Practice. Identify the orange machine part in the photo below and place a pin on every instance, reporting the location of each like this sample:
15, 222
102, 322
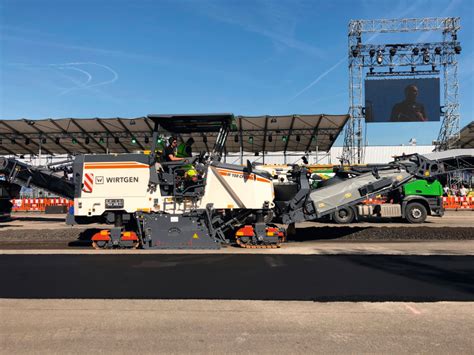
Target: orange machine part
246, 231
274, 231
102, 235
129, 236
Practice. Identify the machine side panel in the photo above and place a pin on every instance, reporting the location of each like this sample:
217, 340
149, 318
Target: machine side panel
103, 181
329, 198
233, 189
168, 231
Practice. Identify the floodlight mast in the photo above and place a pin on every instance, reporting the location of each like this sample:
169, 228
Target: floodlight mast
367, 57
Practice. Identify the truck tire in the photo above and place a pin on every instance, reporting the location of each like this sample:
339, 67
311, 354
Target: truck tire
343, 215
415, 212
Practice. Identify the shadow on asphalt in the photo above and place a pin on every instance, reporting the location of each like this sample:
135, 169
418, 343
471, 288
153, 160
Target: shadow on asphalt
84, 239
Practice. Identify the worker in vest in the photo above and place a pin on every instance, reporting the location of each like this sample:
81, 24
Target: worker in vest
185, 150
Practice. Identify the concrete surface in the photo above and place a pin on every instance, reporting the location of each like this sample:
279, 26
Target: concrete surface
190, 326
445, 247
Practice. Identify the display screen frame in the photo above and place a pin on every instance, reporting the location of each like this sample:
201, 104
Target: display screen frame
402, 100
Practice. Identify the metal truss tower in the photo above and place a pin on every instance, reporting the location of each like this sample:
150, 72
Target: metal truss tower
389, 60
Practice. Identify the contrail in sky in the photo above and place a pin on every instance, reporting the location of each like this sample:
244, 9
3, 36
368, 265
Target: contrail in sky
79, 85
86, 85
321, 76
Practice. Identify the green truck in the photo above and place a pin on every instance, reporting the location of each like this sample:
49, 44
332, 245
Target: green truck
406, 188
413, 202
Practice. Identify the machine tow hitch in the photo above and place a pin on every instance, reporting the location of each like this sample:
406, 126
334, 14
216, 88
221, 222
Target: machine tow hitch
260, 236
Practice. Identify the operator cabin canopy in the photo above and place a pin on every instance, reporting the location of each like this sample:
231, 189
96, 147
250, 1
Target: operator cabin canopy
255, 134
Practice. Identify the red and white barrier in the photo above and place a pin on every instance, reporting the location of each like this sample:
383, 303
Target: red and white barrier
458, 203
38, 204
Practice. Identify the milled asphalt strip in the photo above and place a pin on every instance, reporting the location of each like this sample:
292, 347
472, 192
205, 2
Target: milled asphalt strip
414, 278
465, 247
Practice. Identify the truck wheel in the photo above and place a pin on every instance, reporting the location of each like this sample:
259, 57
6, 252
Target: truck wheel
343, 215
415, 212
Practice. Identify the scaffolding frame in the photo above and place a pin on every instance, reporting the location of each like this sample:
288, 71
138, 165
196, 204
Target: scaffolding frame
424, 58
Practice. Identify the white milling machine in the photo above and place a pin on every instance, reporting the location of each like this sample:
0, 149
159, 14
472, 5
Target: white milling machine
154, 205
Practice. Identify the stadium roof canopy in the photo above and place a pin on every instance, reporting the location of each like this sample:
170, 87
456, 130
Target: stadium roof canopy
466, 139
124, 135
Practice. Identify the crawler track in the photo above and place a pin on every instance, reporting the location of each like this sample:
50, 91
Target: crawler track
243, 244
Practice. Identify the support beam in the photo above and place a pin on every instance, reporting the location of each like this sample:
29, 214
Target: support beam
151, 129
68, 134
24, 136
130, 133
47, 136
241, 141
264, 137
315, 133
6, 149
148, 124
87, 134
289, 133
111, 135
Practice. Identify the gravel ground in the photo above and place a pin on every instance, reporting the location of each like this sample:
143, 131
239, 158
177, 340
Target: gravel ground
382, 233
46, 238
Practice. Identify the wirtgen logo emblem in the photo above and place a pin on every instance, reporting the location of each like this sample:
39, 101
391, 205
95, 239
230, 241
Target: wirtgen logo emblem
99, 180
88, 182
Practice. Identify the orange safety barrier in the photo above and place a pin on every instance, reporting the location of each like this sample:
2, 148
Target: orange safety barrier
38, 204
458, 203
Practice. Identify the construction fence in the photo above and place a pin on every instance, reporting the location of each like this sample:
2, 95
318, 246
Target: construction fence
458, 203
41, 204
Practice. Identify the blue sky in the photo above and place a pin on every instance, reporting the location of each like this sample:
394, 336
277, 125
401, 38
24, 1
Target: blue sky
107, 58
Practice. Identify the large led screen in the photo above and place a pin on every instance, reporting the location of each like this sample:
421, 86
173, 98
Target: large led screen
402, 100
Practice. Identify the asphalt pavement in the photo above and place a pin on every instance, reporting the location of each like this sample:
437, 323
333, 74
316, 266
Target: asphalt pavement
238, 277
403, 290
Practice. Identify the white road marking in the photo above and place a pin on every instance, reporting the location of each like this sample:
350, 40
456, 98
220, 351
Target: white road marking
412, 309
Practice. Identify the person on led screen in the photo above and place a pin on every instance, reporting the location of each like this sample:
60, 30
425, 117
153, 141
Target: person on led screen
409, 110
